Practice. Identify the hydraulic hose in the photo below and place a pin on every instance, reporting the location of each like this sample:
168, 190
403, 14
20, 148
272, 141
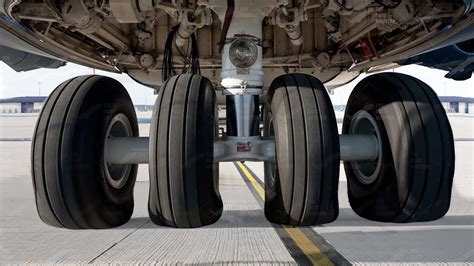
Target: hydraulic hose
225, 28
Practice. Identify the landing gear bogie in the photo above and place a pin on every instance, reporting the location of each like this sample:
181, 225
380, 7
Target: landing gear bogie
397, 148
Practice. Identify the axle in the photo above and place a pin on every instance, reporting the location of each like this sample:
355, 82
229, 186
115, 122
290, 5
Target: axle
127, 150
135, 150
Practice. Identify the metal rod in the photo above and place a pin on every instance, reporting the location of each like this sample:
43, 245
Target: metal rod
135, 150
358, 147
127, 150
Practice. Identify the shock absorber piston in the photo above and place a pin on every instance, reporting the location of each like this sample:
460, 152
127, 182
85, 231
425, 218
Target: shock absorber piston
242, 69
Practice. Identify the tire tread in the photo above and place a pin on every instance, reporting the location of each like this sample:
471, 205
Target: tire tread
313, 193
58, 200
427, 169
181, 198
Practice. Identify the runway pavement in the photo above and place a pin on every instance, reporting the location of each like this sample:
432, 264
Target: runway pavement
242, 235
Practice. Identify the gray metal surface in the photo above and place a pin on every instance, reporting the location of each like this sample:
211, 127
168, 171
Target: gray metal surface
127, 150
358, 147
242, 115
24, 61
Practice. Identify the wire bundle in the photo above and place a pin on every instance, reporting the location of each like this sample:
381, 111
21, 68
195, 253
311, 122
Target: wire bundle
190, 63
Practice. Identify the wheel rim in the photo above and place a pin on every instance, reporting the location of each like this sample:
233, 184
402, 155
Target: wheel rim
271, 165
367, 171
117, 175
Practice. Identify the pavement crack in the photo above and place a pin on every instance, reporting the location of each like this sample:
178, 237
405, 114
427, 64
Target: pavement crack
114, 244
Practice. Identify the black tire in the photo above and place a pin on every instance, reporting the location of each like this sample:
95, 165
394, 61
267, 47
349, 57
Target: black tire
417, 166
183, 176
67, 161
301, 188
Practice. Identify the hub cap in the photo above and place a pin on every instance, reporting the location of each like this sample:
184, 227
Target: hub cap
117, 175
366, 171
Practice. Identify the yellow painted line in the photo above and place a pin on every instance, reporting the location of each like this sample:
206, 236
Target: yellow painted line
311, 251
252, 180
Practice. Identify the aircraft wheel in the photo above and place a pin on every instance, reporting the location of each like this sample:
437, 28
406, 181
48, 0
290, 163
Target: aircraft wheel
301, 185
74, 187
183, 176
412, 178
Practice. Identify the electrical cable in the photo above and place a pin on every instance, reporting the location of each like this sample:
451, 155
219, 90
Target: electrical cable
190, 58
167, 70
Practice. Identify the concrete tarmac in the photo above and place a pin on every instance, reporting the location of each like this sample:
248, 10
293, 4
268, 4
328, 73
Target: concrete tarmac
242, 235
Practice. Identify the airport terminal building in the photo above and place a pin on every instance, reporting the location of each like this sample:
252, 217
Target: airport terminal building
27, 104
455, 104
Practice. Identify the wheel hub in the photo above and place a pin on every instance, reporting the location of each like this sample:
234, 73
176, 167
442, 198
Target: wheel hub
367, 171
117, 175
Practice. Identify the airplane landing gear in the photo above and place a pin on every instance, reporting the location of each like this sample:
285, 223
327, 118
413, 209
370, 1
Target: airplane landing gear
397, 147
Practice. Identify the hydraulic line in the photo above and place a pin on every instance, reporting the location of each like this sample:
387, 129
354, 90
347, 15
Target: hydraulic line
229, 13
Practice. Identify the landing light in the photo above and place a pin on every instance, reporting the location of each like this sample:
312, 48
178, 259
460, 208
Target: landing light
243, 53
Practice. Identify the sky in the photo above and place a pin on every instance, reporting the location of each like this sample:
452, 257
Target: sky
43, 81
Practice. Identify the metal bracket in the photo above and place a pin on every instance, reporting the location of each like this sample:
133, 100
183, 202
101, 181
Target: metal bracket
190, 21
289, 19
244, 148
242, 91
